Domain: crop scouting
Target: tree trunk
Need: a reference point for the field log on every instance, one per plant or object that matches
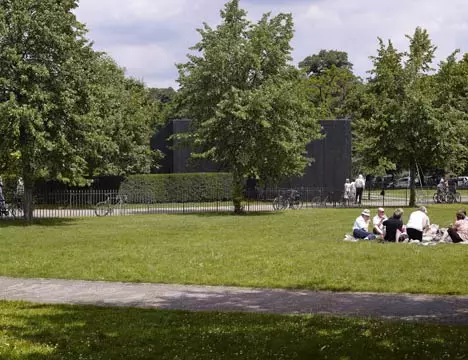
(237, 194)
(28, 202)
(27, 174)
(413, 172)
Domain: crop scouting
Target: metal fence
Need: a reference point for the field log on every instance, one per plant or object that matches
(87, 203)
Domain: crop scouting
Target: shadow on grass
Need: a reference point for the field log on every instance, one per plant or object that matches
(72, 332)
(228, 213)
(39, 222)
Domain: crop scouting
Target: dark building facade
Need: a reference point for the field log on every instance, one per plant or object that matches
(331, 166)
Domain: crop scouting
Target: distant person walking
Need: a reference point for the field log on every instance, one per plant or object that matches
(359, 185)
(19, 193)
(2, 198)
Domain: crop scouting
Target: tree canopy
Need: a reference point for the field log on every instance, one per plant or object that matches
(248, 104)
(402, 118)
(316, 64)
(58, 99)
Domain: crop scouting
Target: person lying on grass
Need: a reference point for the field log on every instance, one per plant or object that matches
(361, 226)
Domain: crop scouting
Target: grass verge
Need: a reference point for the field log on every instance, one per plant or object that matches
(46, 332)
(293, 249)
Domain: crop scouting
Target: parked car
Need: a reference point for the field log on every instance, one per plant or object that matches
(402, 183)
(462, 181)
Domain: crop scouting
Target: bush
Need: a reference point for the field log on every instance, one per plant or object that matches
(187, 187)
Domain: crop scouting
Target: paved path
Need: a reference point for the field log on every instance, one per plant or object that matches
(426, 308)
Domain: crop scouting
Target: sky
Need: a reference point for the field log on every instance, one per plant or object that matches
(148, 37)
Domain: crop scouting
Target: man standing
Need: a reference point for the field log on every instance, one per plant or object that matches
(359, 185)
(378, 221)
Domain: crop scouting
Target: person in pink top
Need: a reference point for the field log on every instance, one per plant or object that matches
(459, 231)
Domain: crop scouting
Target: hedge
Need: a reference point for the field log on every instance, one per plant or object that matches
(186, 187)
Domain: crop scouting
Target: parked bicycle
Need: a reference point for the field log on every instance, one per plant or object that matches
(13, 209)
(322, 200)
(108, 206)
(447, 197)
(292, 199)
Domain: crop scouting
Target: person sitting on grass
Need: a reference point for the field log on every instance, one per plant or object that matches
(458, 232)
(464, 213)
(394, 226)
(361, 226)
(418, 222)
(377, 221)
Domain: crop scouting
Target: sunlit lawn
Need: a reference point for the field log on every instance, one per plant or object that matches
(292, 249)
(42, 332)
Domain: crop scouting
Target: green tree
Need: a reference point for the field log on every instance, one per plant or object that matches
(43, 55)
(65, 111)
(326, 59)
(330, 91)
(249, 106)
(122, 116)
(400, 121)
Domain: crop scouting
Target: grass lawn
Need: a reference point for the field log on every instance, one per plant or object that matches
(43, 332)
(292, 249)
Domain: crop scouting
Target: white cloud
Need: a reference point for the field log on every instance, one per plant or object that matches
(148, 36)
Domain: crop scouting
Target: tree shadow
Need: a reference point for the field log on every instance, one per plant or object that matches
(38, 222)
(83, 332)
(209, 214)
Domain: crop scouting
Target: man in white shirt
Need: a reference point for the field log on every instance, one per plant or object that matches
(418, 222)
(359, 184)
(361, 226)
(377, 221)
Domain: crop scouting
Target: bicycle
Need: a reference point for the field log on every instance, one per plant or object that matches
(291, 200)
(15, 209)
(321, 200)
(108, 206)
(447, 197)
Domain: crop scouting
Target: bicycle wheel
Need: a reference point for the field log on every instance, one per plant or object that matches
(437, 199)
(16, 211)
(295, 204)
(450, 198)
(276, 204)
(102, 209)
(280, 203)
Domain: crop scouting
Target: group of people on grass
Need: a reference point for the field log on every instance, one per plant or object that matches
(392, 229)
(353, 190)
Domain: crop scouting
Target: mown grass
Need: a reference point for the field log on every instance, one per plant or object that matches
(40, 332)
(293, 249)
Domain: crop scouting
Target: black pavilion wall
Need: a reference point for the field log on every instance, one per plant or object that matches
(331, 166)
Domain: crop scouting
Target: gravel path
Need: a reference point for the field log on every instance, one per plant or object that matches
(410, 307)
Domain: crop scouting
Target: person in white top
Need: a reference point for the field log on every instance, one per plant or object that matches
(418, 222)
(361, 226)
(347, 192)
(359, 184)
(377, 221)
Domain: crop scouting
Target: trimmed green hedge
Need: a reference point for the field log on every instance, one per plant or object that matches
(186, 187)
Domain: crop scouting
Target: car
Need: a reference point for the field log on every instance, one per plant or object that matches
(403, 183)
(462, 181)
